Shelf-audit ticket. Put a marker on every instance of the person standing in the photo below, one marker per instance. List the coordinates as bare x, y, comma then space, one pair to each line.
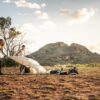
1, 53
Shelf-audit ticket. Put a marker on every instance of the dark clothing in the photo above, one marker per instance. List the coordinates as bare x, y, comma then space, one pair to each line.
63, 73
22, 67
72, 71
54, 72
58, 72
0, 66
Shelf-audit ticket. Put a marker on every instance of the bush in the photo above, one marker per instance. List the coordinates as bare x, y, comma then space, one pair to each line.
8, 62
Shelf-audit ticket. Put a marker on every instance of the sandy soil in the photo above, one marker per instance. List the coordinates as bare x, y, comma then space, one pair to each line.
50, 87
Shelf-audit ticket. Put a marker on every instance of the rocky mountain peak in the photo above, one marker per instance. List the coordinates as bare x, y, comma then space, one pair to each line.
61, 53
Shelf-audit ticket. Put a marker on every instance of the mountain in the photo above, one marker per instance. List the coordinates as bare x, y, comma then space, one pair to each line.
61, 53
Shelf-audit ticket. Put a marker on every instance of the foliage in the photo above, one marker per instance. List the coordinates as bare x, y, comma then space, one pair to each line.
54, 54
6, 62
12, 40
9, 35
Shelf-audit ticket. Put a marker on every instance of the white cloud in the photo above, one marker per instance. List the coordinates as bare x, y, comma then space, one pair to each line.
43, 5
64, 12
41, 15
28, 28
48, 25
26, 4
22, 14
7, 1
94, 48
78, 16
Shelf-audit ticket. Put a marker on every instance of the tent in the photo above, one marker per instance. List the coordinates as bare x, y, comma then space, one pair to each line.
34, 66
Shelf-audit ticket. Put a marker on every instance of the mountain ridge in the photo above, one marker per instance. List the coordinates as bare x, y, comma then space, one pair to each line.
62, 53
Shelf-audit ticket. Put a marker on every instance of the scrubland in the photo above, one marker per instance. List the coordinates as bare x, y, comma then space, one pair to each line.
85, 86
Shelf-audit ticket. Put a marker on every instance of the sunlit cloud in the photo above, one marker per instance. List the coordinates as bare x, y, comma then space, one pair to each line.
47, 25
7, 1
31, 28
94, 48
64, 12
21, 14
25, 4
78, 16
28, 28
43, 5
41, 15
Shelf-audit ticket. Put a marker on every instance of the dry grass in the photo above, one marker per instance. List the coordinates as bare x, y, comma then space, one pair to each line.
85, 86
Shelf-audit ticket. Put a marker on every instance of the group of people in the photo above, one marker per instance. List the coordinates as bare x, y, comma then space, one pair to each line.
23, 69
71, 71
21, 52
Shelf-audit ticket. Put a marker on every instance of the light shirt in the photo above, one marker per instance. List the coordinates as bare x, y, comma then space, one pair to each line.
1, 55
21, 53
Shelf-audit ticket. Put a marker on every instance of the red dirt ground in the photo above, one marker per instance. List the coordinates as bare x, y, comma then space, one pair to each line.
50, 87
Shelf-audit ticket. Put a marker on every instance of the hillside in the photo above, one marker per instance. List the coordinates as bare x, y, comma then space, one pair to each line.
61, 53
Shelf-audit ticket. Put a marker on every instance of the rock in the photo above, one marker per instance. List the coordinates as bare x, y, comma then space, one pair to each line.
61, 53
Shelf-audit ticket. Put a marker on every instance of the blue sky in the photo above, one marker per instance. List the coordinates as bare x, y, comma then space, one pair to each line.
47, 21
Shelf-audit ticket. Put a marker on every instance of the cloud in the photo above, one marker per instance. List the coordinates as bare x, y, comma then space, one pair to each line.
41, 15
30, 28
7, 1
22, 14
78, 16
43, 5
47, 25
94, 48
26, 4
64, 12
27, 28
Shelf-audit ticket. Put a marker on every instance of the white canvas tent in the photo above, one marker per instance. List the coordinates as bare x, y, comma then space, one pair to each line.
34, 66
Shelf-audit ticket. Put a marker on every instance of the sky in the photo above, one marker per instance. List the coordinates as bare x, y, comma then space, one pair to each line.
50, 21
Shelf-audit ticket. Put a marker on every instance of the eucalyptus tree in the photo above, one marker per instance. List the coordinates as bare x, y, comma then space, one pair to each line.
9, 35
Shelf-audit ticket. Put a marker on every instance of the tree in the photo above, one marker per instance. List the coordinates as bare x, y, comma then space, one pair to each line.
10, 36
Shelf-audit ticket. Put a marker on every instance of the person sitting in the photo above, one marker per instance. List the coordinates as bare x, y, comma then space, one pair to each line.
24, 69
1, 53
73, 71
21, 52
58, 72
62, 72
55, 72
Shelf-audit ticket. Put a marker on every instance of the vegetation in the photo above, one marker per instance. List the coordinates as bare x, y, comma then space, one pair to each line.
60, 53
10, 36
85, 86
12, 39
82, 68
